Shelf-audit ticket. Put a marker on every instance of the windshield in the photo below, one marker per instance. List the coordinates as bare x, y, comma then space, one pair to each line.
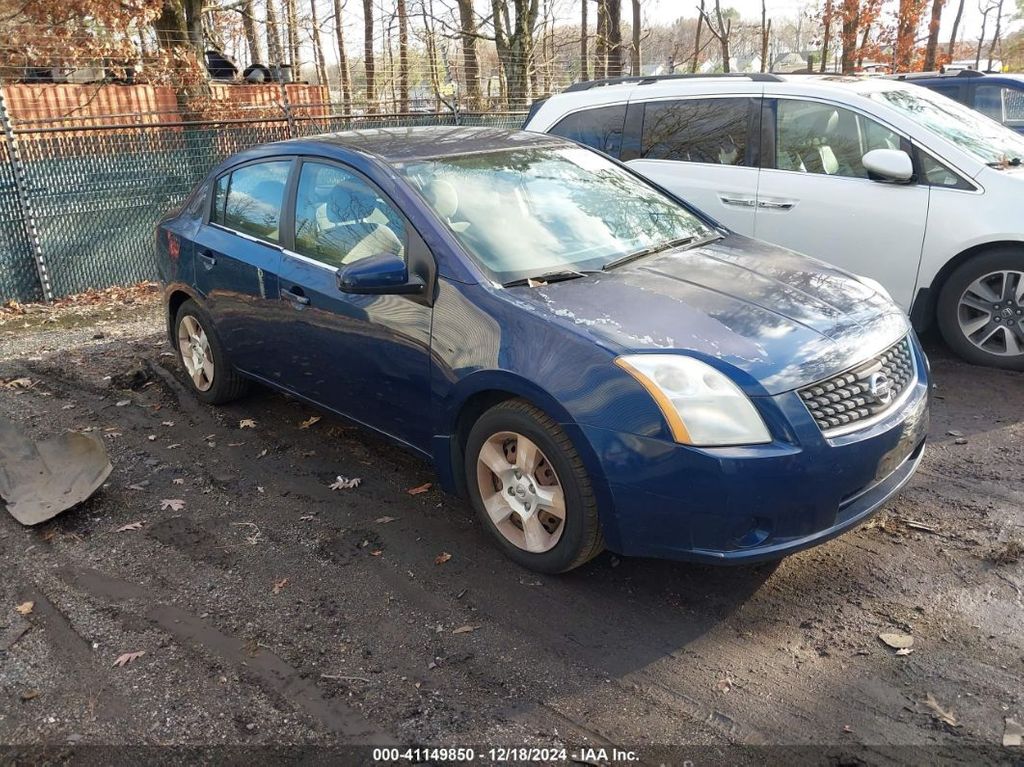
976, 134
525, 213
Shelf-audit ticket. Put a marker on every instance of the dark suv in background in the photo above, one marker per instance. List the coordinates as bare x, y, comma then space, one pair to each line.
999, 96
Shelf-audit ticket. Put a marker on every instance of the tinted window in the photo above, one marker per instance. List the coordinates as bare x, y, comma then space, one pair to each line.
1000, 103
949, 91
250, 199
597, 128
821, 138
937, 174
697, 130
340, 218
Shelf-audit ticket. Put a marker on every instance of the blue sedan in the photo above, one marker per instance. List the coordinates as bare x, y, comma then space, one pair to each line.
591, 362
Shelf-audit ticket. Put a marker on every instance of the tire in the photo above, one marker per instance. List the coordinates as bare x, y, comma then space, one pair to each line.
964, 326
571, 540
221, 385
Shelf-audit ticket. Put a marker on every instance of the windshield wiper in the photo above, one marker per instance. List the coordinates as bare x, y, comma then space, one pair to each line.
692, 241
1012, 163
556, 276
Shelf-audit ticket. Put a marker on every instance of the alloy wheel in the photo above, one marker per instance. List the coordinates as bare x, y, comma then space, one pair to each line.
196, 355
991, 313
521, 492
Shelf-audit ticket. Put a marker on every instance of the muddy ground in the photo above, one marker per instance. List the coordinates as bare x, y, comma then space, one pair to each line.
273, 609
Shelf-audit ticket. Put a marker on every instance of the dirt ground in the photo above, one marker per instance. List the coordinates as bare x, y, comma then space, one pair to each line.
272, 609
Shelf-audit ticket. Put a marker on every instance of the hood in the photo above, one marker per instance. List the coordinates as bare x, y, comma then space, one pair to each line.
784, 319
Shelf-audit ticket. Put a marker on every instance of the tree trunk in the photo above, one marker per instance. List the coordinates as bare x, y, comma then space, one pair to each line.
273, 36
906, 30
403, 57
293, 37
862, 50
635, 52
826, 33
724, 32
179, 28
344, 75
368, 62
514, 43
601, 42
584, 64
981, 37
766, 31
614, 37
252, 38
851, 22
956, 29
696, 39
470, 57
931, 50
996, 36
318, 48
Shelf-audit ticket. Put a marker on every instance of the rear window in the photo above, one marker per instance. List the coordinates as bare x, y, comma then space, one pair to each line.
697, 130
250, 199
598, 128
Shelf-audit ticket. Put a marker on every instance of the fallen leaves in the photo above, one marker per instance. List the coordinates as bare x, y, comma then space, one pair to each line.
17, 383
311, 421
419, 490
465, 629
130, 527
384, 520
724, 685
946, 717
25, 608
247, 423
898, 641
343, 483
174, 504
441, 558
128, 657
279, 585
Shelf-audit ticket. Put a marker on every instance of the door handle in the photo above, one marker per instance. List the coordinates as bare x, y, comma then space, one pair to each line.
739, 202
296, 296
776, 204
208, 259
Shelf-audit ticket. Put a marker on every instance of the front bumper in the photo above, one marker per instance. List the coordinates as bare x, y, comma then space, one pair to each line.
750, 504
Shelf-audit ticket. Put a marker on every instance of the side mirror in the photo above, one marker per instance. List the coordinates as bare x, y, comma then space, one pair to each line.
384, 273
893, 165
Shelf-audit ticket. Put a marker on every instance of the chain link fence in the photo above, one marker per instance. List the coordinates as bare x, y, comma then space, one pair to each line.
80, 195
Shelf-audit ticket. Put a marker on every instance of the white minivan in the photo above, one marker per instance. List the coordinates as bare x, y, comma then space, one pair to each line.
883, 178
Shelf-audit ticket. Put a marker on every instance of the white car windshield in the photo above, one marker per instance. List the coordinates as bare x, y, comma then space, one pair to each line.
527, 213
976, 134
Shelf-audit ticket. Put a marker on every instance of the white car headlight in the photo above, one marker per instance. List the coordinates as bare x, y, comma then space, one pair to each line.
702, 407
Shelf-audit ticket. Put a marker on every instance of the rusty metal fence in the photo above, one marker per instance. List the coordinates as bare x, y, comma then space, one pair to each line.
79, 198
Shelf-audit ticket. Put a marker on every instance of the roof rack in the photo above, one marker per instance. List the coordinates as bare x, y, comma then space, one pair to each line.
944, 72
757, 77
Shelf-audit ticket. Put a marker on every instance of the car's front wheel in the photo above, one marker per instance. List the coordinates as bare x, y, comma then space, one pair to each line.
531, 490
981, 309
210, 372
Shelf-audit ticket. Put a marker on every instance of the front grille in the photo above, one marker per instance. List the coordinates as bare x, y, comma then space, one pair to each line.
842, 403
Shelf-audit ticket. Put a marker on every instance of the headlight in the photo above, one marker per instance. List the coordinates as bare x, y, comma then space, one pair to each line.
702, 406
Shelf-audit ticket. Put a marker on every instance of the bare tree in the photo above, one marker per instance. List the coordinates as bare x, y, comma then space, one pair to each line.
584, 74
514, 25
403, 56
614, 15
766, 33
470, 56
318, 48
827, 17
985, 11
635, 50
932, 47
601, 41
696, 40
252, 38
369, 65
720, 29
956, 29
273, 35
292, 25
344, 75
997, 36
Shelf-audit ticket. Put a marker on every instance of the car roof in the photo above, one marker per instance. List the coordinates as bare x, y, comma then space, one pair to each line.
412, 143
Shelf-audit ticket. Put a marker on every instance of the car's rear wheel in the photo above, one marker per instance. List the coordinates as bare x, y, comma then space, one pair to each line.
981, 309
209, 371
531, 490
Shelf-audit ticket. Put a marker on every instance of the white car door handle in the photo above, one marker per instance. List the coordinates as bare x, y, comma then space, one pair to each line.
740, 202
776, 204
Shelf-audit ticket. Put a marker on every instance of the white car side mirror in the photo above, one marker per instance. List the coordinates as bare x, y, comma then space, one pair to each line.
889, 165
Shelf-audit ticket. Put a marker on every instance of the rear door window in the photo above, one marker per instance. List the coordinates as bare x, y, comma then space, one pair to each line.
599, 128
712, 131
249, 199
1001, 103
